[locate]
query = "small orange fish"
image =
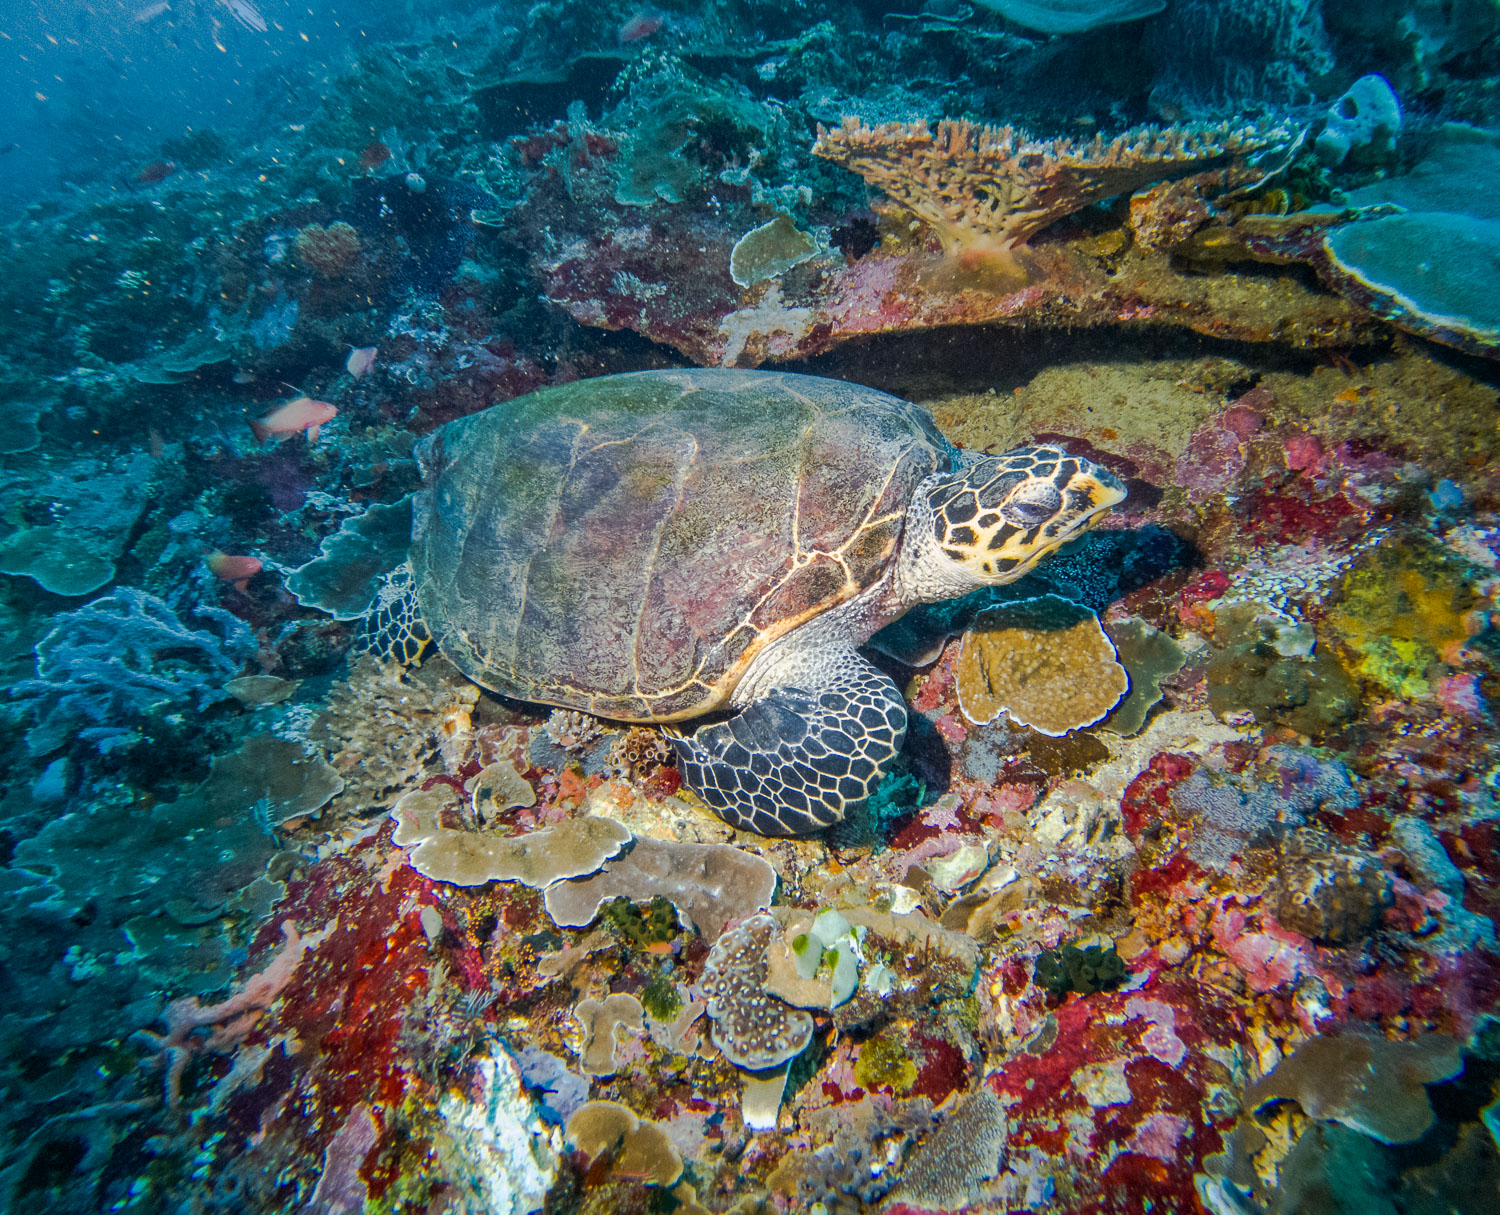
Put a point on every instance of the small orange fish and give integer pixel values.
(236, 569)
(374, 155)
(361, 359)
(156, 171)
(301, 413)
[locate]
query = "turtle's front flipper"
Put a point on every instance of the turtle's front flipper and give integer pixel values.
(801, 756)
(393, 628)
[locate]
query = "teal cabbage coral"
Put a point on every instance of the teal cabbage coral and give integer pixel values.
(1432, 267)
(343, 578)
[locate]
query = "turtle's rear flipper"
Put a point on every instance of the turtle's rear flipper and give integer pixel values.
(393, 630)
(799, 758)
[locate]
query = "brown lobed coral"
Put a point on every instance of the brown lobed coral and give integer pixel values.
(1045, 661)
(635, 1149)
(329, 251)
(472, 858)
(709, 884)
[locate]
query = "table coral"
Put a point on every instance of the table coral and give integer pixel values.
(998, 187)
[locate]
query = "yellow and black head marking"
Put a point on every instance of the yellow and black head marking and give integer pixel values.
(1001, 514)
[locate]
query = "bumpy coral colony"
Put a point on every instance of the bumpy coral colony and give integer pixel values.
(615, 608)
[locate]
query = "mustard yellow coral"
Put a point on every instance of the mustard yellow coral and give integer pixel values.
(884, 1062)
(1404, 613)
(1045, 661)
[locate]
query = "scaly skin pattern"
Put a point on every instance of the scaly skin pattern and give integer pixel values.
(795, 760)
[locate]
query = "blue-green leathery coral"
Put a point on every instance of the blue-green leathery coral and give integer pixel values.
(1431, 266)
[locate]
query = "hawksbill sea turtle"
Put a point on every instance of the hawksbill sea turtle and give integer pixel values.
(663, 546)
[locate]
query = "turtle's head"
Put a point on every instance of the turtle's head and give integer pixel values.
(994, 519)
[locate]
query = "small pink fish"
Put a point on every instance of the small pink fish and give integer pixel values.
(642, 25)
(236, 569)
(301, 413)
(361, 359)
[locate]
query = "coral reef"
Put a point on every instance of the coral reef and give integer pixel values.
(1230, 948)
(605, 1022)
(948, 1171)
(606, 1131)
(344, 578)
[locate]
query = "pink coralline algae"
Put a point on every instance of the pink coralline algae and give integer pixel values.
(1159, 1136)
(1161, 1039)
(229, 1021)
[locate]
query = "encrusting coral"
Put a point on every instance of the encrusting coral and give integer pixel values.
(1046, 662)
(1367, 1083)
(471, 858)
(635, 1148)
(997, 187)
(709, 884)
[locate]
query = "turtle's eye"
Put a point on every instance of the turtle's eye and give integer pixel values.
(1028, 512)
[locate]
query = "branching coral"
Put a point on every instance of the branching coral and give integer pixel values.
(997, 187)
(384, 724)
(231, 1019)
(106, 665)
